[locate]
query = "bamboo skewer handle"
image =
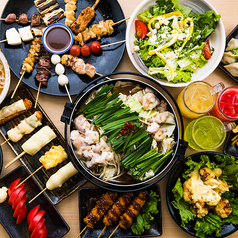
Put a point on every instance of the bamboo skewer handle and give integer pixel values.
(38, 195)
(3, 41)
(102, 231)
(18, 84)
(114, 231)
(120, 21)
(66, 88)
(18, 157)
(5, 141)
(95, 4)
(37, 96)
(81, 232)
(118, 42)
(29, 176)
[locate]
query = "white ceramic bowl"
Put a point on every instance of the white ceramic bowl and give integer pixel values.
(7, 77)
(217, 41)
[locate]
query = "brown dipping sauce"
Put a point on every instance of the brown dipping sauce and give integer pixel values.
(58, 39)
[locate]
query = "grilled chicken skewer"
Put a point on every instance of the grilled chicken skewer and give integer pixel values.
(116, 211)
(104, 203)
(132, 211)
(84, 18)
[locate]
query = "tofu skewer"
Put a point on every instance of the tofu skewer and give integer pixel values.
(50, 159)
(35, 143)
(26, 126)
(57, 179)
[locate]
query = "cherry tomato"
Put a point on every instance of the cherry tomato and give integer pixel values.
(75, 50)
(18, 198)
(37, 228)
(207, 50)
(95, 47)
(22, 214)
(19, 206)
(42, 232)
(14, 194)
(85, 50)
(35, 220)
(32, 214)
(141, 29)
(12, 186)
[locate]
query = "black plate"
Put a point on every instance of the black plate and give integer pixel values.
(176, 173)
(87, 200)
(56, 225)
(233, 34)
(230, 149)
(105, 62)
(32, 162)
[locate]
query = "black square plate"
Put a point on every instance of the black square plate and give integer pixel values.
(87, 200)
(56, 225)
(233, 34)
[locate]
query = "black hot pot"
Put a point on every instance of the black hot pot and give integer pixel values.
(71, 110)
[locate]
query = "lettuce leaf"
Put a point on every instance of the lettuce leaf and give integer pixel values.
(143, 220)
(179, 203)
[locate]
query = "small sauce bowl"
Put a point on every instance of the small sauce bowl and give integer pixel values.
(57, 38)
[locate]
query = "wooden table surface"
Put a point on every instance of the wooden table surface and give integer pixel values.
(53, 106)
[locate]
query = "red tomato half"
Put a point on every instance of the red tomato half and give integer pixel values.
(207, 50)
(95, 47)
(141, 29)
(14, 194)
(35, 220)
(75, 50)
(42, 232)
(22, 214)
(38, 227)
(85, 50)
(19, 206)
(32, 214)
(18, 198)
(12, 186)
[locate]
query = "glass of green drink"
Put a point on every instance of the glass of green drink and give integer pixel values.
(206, 133)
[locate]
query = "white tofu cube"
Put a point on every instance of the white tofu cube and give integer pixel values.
(25, 33)
(13, 36)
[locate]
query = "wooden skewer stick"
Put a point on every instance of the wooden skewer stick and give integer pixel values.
(66, 88)
(120, 21)
(18, 84)
(118, 42)
(18, 157)
(95, 4)
(102, 75)
(38, 195)
(102, 231)
(37, 96)
(81, 232)
(29, 176)
(114, 231)
(5, 141)
(3, 41)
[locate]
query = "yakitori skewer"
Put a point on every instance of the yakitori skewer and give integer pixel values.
(116, 210)
(103, 28)
(30, 60)
(84, 18)
(50, 159)
(57, 179)
(103, 205)
(26, 126)
(36, 142)
(132, 211)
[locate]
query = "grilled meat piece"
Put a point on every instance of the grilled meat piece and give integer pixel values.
(11, 18)
(23, 19)
(83, 20)
(133, 210)
(104, 203)
(35, 20)
(117, 208)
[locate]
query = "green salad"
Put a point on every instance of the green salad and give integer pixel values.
(176, 42)
(210, 223)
